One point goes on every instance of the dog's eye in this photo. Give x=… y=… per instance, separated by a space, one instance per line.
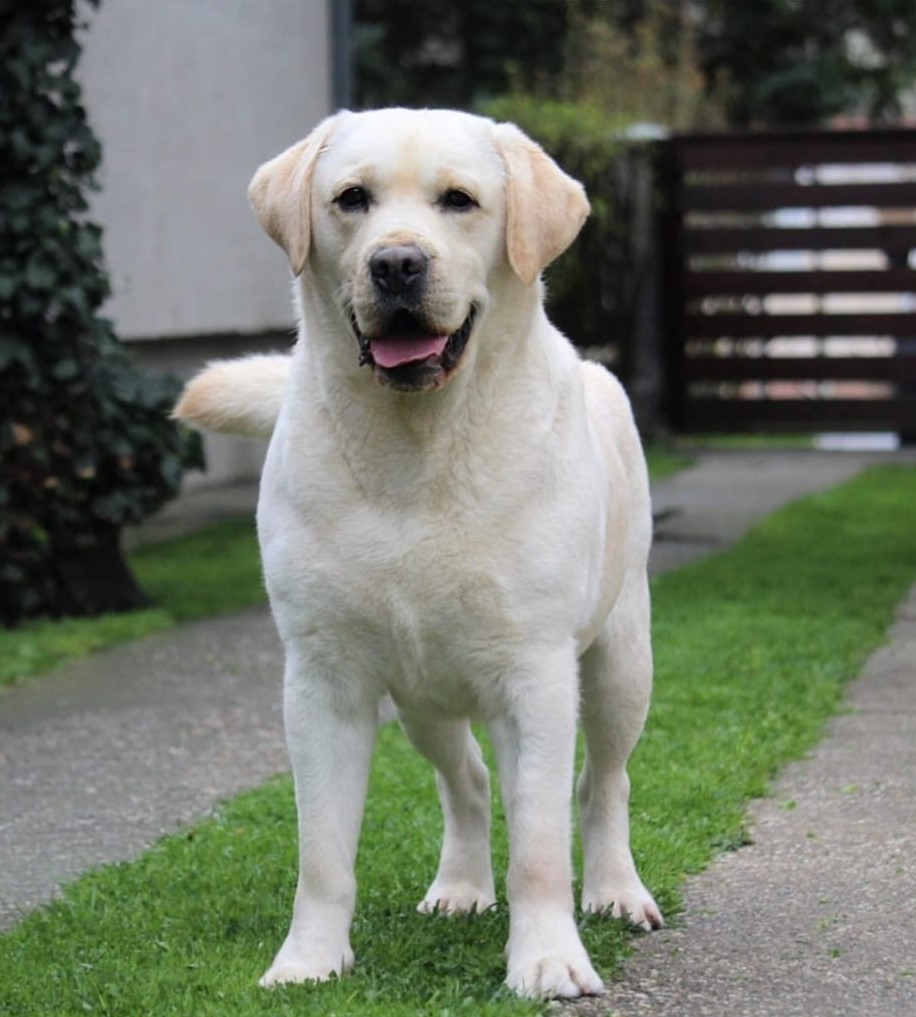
x=353 y=199
x=457 y=201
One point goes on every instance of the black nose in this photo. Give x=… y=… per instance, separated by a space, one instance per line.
x=399 y=270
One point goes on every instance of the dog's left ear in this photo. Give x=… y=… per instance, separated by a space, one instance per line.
x=280 y=194
x=545 y=208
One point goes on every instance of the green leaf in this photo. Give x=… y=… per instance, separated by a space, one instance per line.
x=40 y=277
x=103 y=448
x=66 y=369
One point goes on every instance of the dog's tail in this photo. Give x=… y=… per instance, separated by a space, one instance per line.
x=239 y=397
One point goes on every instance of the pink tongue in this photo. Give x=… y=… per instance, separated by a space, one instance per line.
x=393 y=351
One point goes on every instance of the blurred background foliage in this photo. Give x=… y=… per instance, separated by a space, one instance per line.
x=597 y=81
x=86 y=446
x=684 y=63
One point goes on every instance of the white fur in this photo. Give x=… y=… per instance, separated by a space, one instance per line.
x=239 y=396
x=475 y=551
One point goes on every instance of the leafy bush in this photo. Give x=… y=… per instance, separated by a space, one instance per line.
x=642 y=67
x=592 y=291
x=85 y=444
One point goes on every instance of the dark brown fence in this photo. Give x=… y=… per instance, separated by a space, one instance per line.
x=791 y=281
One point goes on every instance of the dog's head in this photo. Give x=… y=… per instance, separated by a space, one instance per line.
x=406 y=220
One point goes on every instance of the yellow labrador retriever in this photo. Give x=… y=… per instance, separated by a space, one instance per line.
x=454 y=513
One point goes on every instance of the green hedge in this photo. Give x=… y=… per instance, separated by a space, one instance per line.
x=85 y=444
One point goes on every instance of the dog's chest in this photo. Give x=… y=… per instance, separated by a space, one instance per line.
x=433 y=608
x=440 y=623
x=423 y=567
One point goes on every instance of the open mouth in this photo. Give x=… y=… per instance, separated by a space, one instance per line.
x=409 y=354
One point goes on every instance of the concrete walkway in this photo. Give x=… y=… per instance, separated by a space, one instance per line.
x=105 y=755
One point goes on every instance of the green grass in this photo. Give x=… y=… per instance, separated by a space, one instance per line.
x=213 y=571
x=197 y=576
x=665 y=460
x=753 y=647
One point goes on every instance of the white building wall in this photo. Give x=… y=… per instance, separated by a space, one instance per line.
x=188 y=98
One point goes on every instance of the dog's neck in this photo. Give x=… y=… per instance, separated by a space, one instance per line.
x=397 y=441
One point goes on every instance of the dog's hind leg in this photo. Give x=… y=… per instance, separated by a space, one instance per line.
x=464 y=881
x=616 y=681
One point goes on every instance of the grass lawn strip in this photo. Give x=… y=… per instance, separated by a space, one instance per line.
x=753 y=647
x=196 y=576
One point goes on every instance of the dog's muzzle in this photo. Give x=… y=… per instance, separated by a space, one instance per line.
x=407 y=350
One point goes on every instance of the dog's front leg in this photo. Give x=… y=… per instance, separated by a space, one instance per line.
x=535 y=748
x=330 y=732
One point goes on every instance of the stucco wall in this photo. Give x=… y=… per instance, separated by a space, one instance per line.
x=188 y=97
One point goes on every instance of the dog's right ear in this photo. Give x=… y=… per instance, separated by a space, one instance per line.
x=280 y=193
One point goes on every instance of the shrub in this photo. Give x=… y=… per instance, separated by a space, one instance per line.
x=642 y=66
x=85 y=444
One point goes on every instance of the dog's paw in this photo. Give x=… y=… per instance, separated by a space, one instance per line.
x=289 y=968
x=456 y=899
x=548 y=961
x=559 y=974
x=633 y=904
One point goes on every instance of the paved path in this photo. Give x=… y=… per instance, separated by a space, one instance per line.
x=103 y=756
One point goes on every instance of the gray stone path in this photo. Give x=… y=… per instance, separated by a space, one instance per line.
x=104 y=756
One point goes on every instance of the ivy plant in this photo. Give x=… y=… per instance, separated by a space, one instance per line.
x=86 y=446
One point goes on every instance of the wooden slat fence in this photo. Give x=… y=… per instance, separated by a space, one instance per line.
x=791 y=281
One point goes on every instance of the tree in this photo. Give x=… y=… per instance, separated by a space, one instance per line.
x=85 y=443
x=786 y=62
